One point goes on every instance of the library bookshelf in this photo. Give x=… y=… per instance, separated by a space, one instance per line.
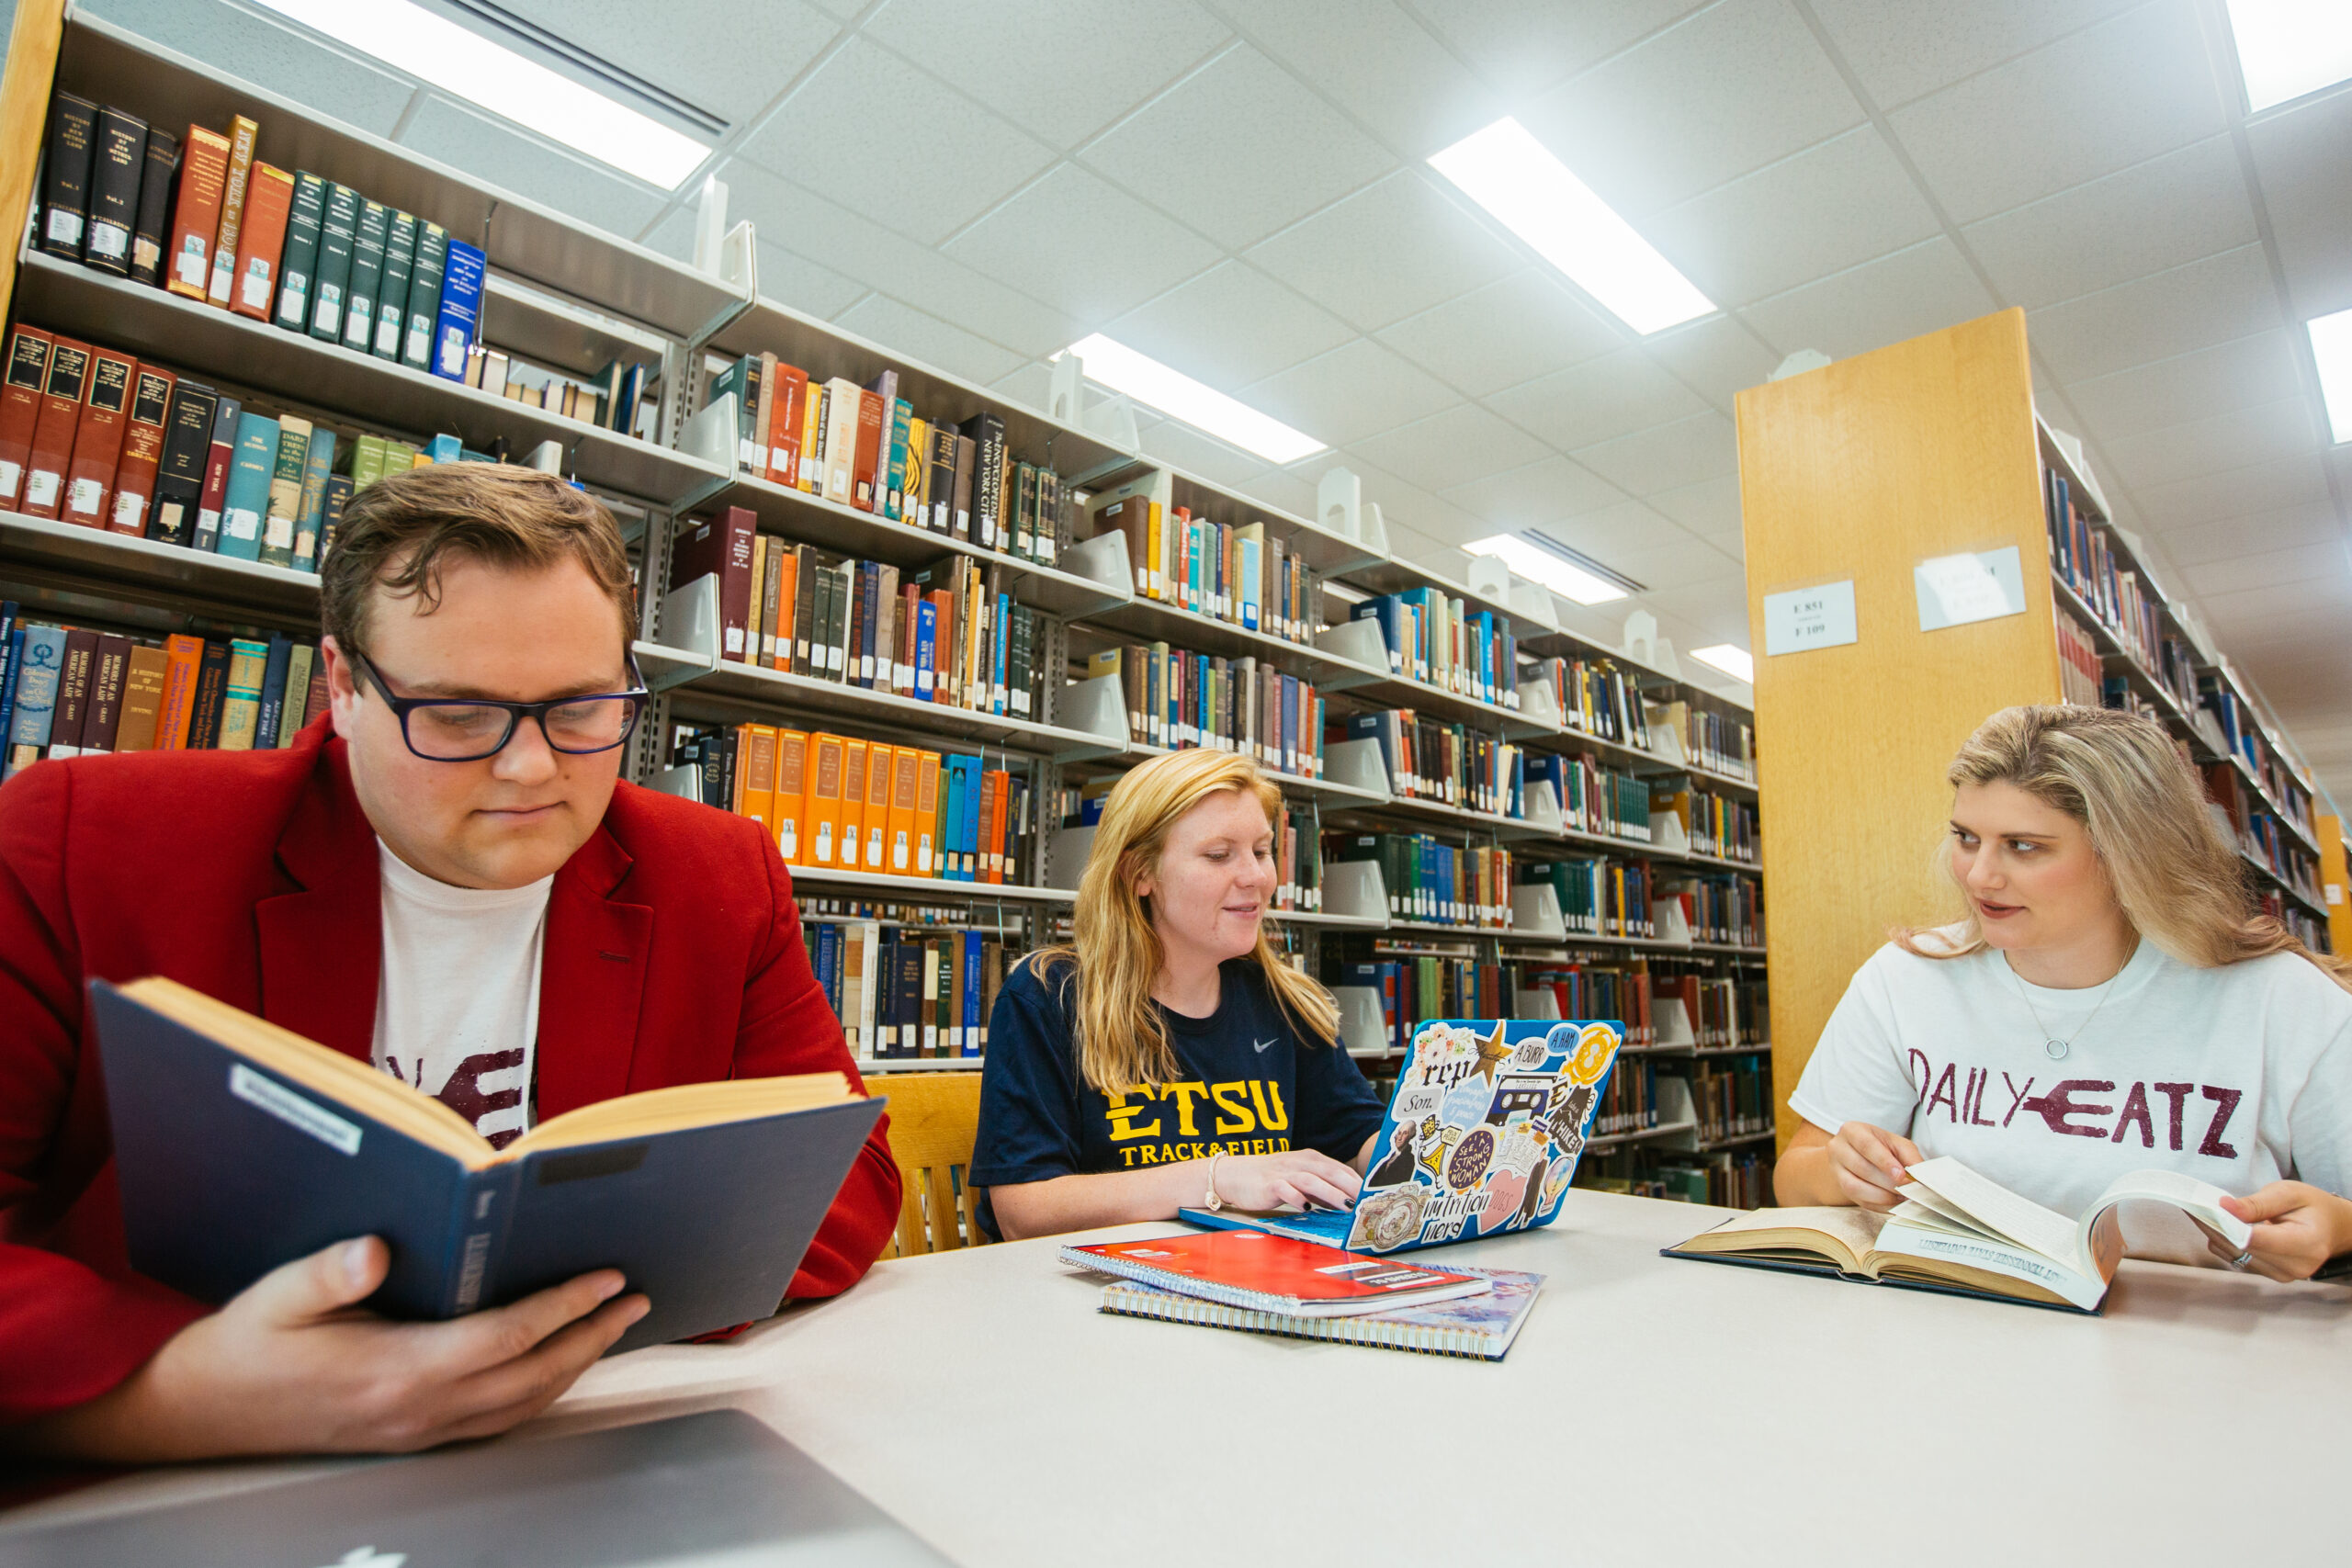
x=1857 y=473
x=569 y=298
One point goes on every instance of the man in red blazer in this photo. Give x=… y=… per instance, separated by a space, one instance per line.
x=444 y=877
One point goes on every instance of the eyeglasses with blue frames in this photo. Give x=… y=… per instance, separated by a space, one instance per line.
x=467 y=729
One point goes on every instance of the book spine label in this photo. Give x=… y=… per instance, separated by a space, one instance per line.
x=486 y=1204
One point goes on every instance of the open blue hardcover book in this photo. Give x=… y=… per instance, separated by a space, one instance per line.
x=1482 y=1136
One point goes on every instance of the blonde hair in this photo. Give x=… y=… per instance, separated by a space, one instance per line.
x=2175 y=875
x=1122 y=1040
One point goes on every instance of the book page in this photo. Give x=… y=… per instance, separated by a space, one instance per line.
x=1980 y=1262
x=683 y=1105
x=2100 y=1237
x=1843 y=1236
x=1920 y=1205
x=1989 y=1204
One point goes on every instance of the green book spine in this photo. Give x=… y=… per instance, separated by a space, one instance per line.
x=425 y=295
x=338 y=226
x=286 y=468
x=894 y=495
x=299 y=264
x=317 y=468
x=366 y=462
x=246 y=501
x=240 y=707
x=367 y=276
x=391 y=298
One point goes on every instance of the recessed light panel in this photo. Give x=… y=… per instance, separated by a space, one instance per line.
x=1734 y=661
x=2289 y=48
x=2332 y=346
x=1177 y=395
x=1568 y=581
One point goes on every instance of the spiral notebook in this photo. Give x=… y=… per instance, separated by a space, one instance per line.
x=1481 y=1327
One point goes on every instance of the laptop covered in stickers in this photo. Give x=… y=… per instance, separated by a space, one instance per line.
x=1481 y=1137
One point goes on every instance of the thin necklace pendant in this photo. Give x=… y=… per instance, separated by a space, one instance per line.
x=2057 y=1049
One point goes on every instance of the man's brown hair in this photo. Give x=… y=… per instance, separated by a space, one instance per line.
x=397 y=533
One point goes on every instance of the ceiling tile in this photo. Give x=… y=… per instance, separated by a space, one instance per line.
x=2218 y=300
x=1229 y=326
x=1922 y=290
x=1828 y=207
x=1597 y=400
x=2231 y=440
x=1617 y=533
x=281 y=57
x=1284 y=491
x=1380 y=66
x=1700 y=616
x=2270 y=568
x=2088 y=105
x=1902 y=48
x=807 y=287
x=2311 y=522
x=1388 y=251
x=767 y=46
x=2250 y=371
x=2259 y=487
x=1061 y=69
x=1082 y=244
x=1522 y=45
x=1709 y=509
x=1238 y=150
x=2247 y=624
x=1403 y=503
x=1031 y=385
x=926 y=169
x=1461 y=443
x=1717 y=357
x=1527 y=325
x=1354 y=391
x=1539 y=492
x=925 y=337
x=1665 y=457
x=2301 y=156
x=1731 y=88
x=1197 y=452
x=858 y=248
x=2169 y=210
x=491 y=151
x=1683 y=561
x=672 y=235
x=2331 y=593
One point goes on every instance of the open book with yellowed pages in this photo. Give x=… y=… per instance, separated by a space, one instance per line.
x=1962 y=1232
x=240 y=1145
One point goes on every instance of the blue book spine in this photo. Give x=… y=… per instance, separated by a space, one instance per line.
x=12 y=652
x=453 y=330
x=951 y=818
x=829 y=956
x=39 y=660
x=969 y=1002
x=1253 y=558
x=246 y=501
x=445 y=450
x=968 y=830
x=926 y=650
x=1293 y=744
x=273 y=692
x=1003 y=621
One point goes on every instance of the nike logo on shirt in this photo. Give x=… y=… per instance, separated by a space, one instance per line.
x=1263 y=1045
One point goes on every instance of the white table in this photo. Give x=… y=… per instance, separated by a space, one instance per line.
x=1654 y=1410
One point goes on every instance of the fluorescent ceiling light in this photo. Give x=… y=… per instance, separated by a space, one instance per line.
x=1508 y=173
x=1540 y=566
x=1173 y=393
x=2289 y=48
x=2332 y=346
x=464 y=65
x=1734 y=661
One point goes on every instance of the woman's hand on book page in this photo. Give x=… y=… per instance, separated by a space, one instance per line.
x=1298 y=1178
x=2297 y=1228
x=293 y=1365
x=1869 y=1163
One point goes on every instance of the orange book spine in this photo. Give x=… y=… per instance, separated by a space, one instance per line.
x=788 y=609
x=926 y=813
x=903 y=796
x=784 y=432
x=261 y=239
x=61 y=412
x=756 y=775
x=829 y=754
x=142 y=450
x=985 y=870
x=1000 y=807
x=195 y=220
x=29 y=352
x=850 y=840
x=97 y=438
x=243 y=133
x=790 y=816
x=181 y=658
x=881 y=782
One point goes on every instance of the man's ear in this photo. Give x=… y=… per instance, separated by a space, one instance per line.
x=342 y=688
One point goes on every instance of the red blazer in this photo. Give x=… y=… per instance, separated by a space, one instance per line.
x=672 y=956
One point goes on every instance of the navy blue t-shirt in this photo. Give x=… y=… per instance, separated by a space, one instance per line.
x=1247 y=1083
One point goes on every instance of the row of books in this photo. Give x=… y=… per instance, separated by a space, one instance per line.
x=1432 y=881
x=615 y=400
x=947 y=633
x=1440 y=642
x=1732 y=1099
x=845 y=804
x=1721 y=1013
x=1599 y=895
x=1598 y=698
x=2242 y=733
x=1722 y=909
x=1621 y=989
x=904 y=992
x=1719 y=825
x=867 y=447
x=1448 y=763
x=2082 y=674
x=1596 y=799
x=2300 y=923
x=285 y=246
x=1238 y=573
x=1177 y=699
x=1417 y=981
x=1728 y=1178
x=2086 y=560
x=2258 y=831
x=1629 y=1100
x=1710 y=739
x=71 y=691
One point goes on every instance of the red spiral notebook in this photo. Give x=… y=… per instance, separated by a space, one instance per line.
x=1261 y=1272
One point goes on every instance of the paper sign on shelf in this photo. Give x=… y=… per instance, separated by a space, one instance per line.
x=1809 y=618
x=1982 y=585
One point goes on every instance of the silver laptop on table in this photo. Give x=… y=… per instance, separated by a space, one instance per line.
x=716 y=1490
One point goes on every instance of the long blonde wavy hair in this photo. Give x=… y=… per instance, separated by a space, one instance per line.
x=2174 y=873
x=1122 y=1042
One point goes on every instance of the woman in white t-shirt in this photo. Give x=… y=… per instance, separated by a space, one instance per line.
x=2106 y=1005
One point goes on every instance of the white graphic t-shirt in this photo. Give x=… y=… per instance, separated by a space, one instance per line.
x=2240 y=1075
x=457 y=1010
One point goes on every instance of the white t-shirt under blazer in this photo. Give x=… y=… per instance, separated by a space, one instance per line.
x=2239 y=1076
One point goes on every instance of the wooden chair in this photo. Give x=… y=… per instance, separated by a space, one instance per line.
x=934 y=1117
